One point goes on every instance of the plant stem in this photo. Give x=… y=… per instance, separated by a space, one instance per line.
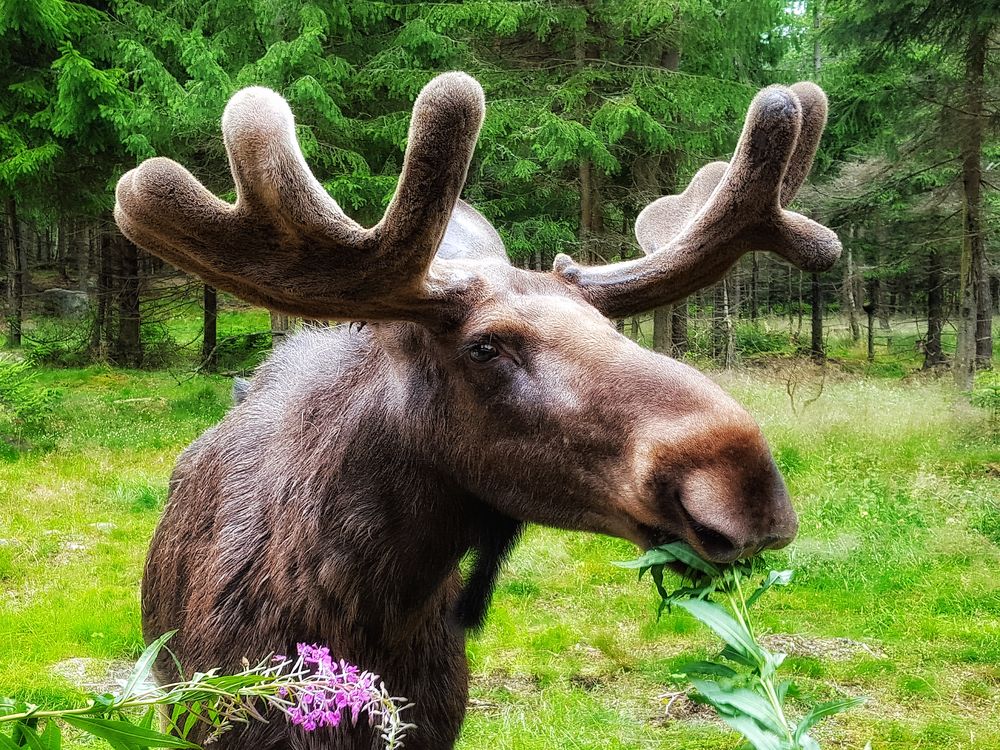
x=49 y=714
x=738 y=604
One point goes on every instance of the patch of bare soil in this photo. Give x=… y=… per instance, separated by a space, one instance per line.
x=679 y=707
x=834 y=649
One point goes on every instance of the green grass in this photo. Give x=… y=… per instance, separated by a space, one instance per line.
x=897 y=591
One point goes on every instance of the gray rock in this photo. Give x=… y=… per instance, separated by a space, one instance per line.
x=66 y=303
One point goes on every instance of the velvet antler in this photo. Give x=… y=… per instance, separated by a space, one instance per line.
x=285 y=244
x=692 y=239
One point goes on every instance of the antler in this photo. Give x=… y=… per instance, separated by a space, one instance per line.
x=692 y=239
x=285 y=244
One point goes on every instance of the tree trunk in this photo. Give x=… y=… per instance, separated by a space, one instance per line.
x=16 y=262
x=4 y=250
x=65 y=228
x=663 y=329
x=128 y=348
x=280 y=326
x=84 y=242
x=816 y=342
x=788 y=298
x=754 y=278
x=975 y=342
x=870 y=310
x=591 y=213
x=933 y=355
x=100 y=333
x=586 y=211
x=209 y=339
x=801 y=308
x=729 y=354
x=850 y=302
x=723 y=341
x=679 y=328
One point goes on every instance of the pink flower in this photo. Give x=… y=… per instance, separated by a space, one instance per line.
x=333 y=687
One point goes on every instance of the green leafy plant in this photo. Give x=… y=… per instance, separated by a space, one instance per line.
x=24 y=405
x=312 y=691
x=743 y=685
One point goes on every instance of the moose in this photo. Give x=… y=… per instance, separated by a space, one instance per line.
x=335 y=501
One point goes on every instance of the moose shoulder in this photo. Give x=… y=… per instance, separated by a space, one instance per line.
x=335 y=501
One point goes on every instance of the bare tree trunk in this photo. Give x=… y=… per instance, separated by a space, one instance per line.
x=128 y=348
x=586 y=210
x=799 y=311
x=16 y=262
x=788 y=298
x=83 y=240
x=99 y=334
x=663 y=329
x=754 y=278
x=729 y=360
x=280 y=326
x=816 y=342
x=975 y=343
x=817 y=60
x=65 y=228
x=870 y=311
x=723 y=341
x=933 y=355
x=679 y=328
x=209 y=339
x=4 y=250
x=850 y=301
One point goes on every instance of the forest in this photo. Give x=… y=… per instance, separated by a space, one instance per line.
x=595 y=108
x=873 y=386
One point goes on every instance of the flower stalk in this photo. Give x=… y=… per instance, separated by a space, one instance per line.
x=311 y=691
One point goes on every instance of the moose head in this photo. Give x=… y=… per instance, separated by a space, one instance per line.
x=335 y=502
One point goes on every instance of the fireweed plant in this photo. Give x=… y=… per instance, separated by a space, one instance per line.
x=742 y=685
x=312 y=691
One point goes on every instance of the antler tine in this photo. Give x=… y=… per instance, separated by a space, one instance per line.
x=285 y=243
x=692 y=239
x=814 y=108
x=663 y=219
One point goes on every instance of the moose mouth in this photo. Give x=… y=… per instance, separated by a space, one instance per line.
x=707 y=542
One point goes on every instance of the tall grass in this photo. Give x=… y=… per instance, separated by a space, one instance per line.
x=897 y=591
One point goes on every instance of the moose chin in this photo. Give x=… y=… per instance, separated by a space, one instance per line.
x=362 y=463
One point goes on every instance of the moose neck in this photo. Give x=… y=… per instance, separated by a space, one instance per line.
x=391 y=525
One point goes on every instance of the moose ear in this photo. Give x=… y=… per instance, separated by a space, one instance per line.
x=469 y=234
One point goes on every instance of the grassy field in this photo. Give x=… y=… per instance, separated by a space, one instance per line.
x=896 y=597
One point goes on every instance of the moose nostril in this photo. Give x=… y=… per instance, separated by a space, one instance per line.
x=717 y=547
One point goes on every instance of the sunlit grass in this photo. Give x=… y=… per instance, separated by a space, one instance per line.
x=897 y=488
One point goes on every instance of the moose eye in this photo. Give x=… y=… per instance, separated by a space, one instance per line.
x=481 y=353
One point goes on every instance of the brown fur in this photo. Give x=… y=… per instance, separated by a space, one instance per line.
x=334 y=502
